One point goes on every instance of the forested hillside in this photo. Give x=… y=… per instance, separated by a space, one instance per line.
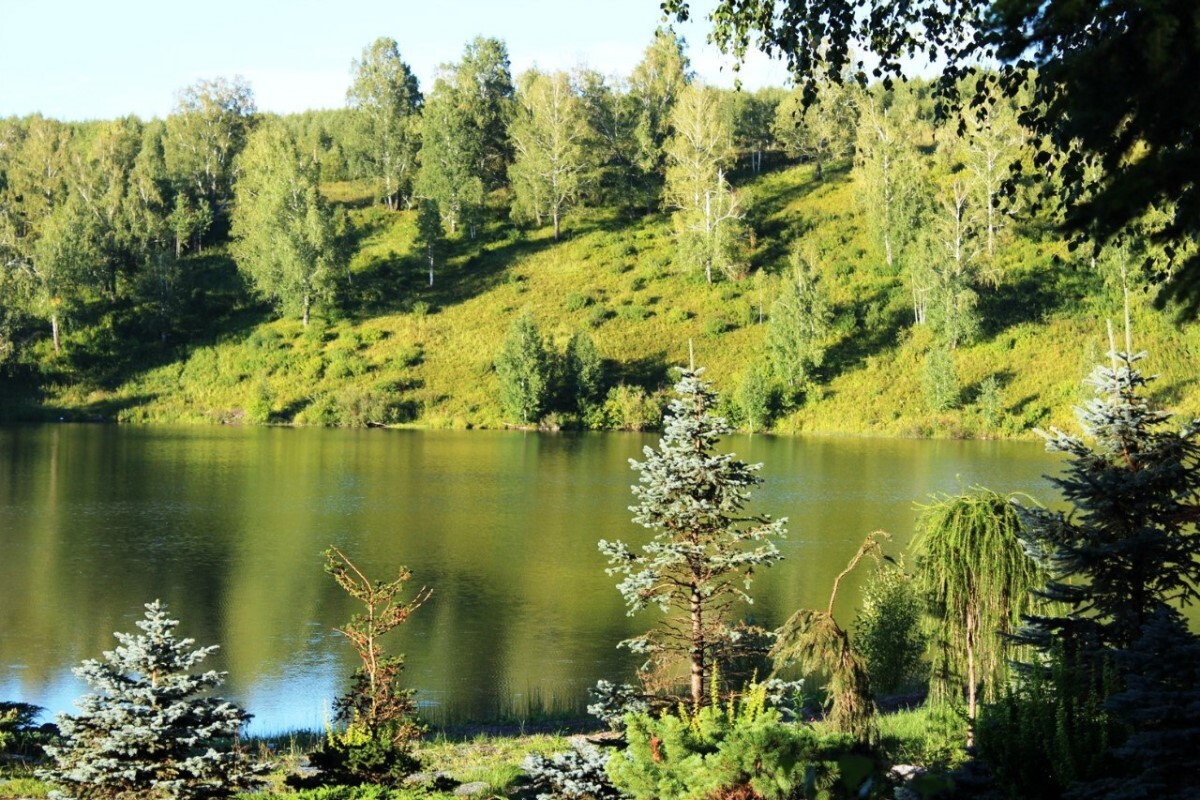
x=541 y=250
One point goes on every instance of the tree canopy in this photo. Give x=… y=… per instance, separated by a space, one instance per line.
x=1108 y=83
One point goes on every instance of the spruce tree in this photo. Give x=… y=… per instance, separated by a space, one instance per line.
x=705 y=547
x=147 y=729
x=1130 y=545
x=1121 y=563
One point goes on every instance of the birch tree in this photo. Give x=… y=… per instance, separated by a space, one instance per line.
x=550 y=138
x=385 y=99
x=285 y=237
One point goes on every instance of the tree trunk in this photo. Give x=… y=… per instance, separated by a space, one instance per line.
x=697 y=648
x=54 y=330
x=429 y=253
x=556 y=226
x=306 y=304
x=971 y=680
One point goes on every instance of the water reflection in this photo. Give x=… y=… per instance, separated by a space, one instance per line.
x=227 y=526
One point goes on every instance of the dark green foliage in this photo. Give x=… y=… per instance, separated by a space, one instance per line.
x=737 y=749
x=18 y=735
x=1048 y=730
x=149 y=728
x=887 y=631
x=705 y=548
x=585 y=371
x=1159 y=706
x=523 y=367
x=1111 y=709
x=1132 y=536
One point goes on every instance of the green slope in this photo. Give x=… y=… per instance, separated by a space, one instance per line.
x=396 y=351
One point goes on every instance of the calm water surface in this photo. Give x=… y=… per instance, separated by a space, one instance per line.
x=227 y=525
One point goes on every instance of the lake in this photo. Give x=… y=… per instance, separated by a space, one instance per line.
x=227 y=526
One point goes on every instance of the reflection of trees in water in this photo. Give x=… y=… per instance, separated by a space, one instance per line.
x=227 y=525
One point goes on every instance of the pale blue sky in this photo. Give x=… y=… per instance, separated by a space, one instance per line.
x=84 y=59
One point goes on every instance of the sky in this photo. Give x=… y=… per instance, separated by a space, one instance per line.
x=83 y=59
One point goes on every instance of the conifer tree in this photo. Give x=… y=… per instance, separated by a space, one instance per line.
x=977 y=579
x=705 y=546
x=1130 y=546
x=1121 y=563
x=146 y=730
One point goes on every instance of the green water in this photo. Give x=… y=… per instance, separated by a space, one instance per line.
x=227 y=525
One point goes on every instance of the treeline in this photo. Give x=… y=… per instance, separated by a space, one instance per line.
x=102 y=223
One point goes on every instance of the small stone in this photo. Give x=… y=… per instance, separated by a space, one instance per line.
x=473 y=789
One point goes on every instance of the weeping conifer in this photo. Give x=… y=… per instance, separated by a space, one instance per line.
x=976 y=578
x=812 y=640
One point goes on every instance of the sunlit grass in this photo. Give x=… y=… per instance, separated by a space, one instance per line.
x=393 y=350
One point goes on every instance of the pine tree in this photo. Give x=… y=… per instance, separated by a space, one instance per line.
x=705 y=548
x=147 y=729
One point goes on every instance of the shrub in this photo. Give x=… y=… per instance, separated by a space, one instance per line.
x=633 y=313
x=17 y=732
x=716 y=326
x=740 y=748
x=887 y=631
x=577 y=301
x=577 y=774
x=1050 y=730
x=148 y=729
x=626 y=408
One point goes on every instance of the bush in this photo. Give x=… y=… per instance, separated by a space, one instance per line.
x=887 y=631
x=17 y=732
x=577 y=774
x=633 y=313
x=626 y=408
x=716 y=326
x=1050 y=730
x=739 y=749
x=577 y=301
x=148 y=729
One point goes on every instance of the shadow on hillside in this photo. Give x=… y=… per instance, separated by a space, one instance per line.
x=861 y=342
x=133 y=338
x=651 y=372
x=394 y=283
x=1030 y=299
x=777 y=230
x=99 y=411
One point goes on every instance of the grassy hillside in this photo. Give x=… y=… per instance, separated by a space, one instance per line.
x=395 y=351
